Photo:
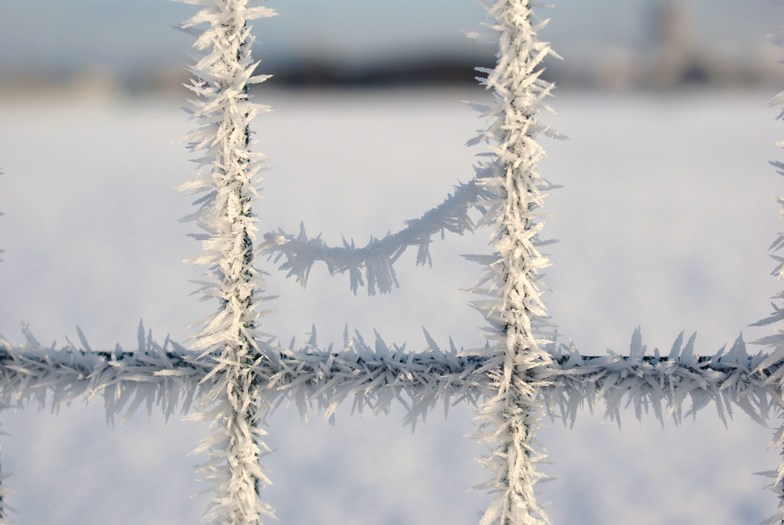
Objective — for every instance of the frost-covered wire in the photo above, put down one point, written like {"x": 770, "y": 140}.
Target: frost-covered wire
{"x": 373, "y": 373}
{"x": 510, "y": 292}
{"x": 775, "y": 342}
{"x": 377, "y": 258}
{"x": 673, "y": 386}
{"x": 227, "y": 184}
{"x": 172, "y": 377}
{"x": 666, "y": 385}
{"x": 153, "y": 375}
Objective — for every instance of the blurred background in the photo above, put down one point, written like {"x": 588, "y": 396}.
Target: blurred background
{"x": 129, "y": 47}
{"x": 664, "y": 219}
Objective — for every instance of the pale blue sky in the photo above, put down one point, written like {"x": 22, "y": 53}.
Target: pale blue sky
{"x": 126, "y": 33}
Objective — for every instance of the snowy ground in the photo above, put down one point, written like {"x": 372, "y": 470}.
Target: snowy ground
{"x": 664, "y": 220}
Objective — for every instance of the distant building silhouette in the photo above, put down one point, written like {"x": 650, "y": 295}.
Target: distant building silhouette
{"x": 673, "y": 57}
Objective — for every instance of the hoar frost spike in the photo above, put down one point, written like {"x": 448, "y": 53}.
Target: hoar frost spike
{"x": 226, "y": 182}
{"x": 515, "y": 309}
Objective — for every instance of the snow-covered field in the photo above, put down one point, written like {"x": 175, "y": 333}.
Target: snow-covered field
{"x": 664, "y": 220}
